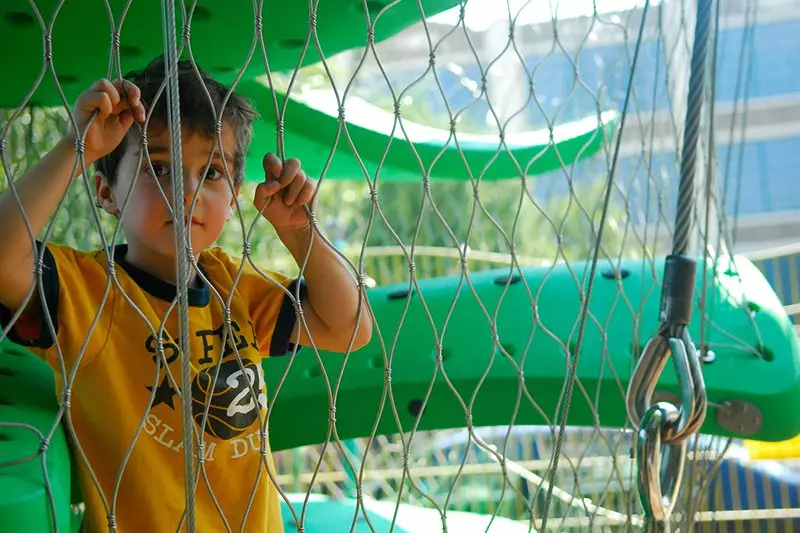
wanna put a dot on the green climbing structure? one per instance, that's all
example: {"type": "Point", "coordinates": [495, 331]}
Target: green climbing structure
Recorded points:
{"type": "Point", "coordinates": [760, 368]}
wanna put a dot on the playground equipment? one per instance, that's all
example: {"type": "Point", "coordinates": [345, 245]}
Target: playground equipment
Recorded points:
{"type": "Point", "coordinates": [459, 354]}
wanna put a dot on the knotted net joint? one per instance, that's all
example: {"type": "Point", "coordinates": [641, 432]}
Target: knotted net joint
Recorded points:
{"type": "Point", "coordinates": [298, 308]}
{"type": "Point", "coordinates": [38, 266]}
{"type": "Point", "coordinates": [412, 268]}
{"type": "Point", "coordinates": [47, 45]}
{"type": "Point", "coordinates": [201, 452]}
{"type": "Point", "coordinates": [262, 449]}
{"type": "Point", "coordinates": [312, 217]}
{"type": "Point", "coordinates": [187, 31]}
{"type": "Point", "coordinates": [387, 374]}
{"type": "Point", "coordinates": [426, 183]}
{"type": "Point", "coordinates": [115, 40]}
{"type": "Point", "coordinates": [312, 20]}
{"type": "Point", "coordinates": [432, 59]}
{"type": "Point", "coordinates": [370, 35]}
{"type": "Point", "coordinates": [332, 414]}
{"type": "Point", "coordinates": [468, 420]}
{"type": "Point", "coordinates": [43, 445]}
{"type": "Point", "coordinates": [246, 249]}
{"type": "Point", "coordinates": [112, 522]}
{"type": "Point", "coordinates": [374, 196]}
{"type": "Point", "coordinates": [453, 125]}
{"type": "Point", "coordinates": [66, 397]}
{"type": "Point", "coordinates": [218, 127]}
{"type": "Point", "coordinates": [3, 145]}
{"type": "Point", "coordinates": [677, 291]}
{"type": "Point", "coordinates": [341, 113]}
{"type": "Point", "coordinates": [397, 109]}
{"type": "Point", "coordinates": [80, 146]}
{"type": "Point", "coordinates": [405, 460]}
{"type": "Point", "coordinates": [110, 266]}
{"type": "Point", "coordinates": [279, 126]}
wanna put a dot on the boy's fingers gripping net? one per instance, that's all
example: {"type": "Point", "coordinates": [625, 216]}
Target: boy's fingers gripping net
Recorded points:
{"type": "Point", "coordinates": [448, 188]}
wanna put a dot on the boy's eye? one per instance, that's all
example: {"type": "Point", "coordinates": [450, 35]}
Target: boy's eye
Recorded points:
{"type": "Point", "coordinates": [214, 174]}
{"type": "Point", "coordinates": [160, 170]}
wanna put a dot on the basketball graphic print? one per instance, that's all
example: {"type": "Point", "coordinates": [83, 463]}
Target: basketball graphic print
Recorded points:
{"type": "Point", "coordinates": [231, 405]}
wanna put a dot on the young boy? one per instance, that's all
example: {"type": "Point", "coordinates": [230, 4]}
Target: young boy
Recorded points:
{"type": "Point", "coordinates": [125, 405]}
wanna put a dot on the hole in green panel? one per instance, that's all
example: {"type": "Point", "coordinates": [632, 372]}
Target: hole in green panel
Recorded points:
{"type": "Point", "coordinates": [753, 307]}
{"type": "Point", "coordinates": [18, 19]}
{"type": "Point", "coordinates": [7, 373]}
{"type": "Point", "coordinates": [67, 79]}
{"type": "Point", "coordinates": [313, 372]}
{"type": "Point", "coordinates": [5, 402]}
{"type": "Point", "coordinates": [616, 274]}
{"type": "Point", "coordinates": [765, 353]}
{"type": "Point", "coordinates": [375, 361]}
{"type": "Point", "coordinates": [291, 44]}
{"type": "Point", "coordinates": [5, 437]}
{"type": "Point", "coordinates": [373, 6]}
{"type": "Point", "coordinates": [201, 14]}
{"type": "Point", "coordinates": [129, 50]}
{"type": "Point", "coordinates": [509, 348]}
{"type": "Point", "coordinates": [400, 294]}
{"type": "Point", "coordinates": [415, 408]}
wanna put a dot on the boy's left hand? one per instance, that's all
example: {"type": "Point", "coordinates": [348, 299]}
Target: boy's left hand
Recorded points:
{"type": "Point", "coordinates": [290, 190]}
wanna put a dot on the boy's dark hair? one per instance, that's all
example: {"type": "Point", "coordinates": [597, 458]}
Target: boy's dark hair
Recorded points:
{"type": "Point", "coordinates": [197, 113]}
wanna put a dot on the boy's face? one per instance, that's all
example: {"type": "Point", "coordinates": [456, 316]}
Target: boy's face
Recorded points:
{"type": "Point", "coordinates": [147, 219]}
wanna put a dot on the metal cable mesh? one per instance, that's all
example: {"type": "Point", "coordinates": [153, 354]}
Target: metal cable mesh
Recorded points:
{"type": "Point", "coordinates": [557, 65]}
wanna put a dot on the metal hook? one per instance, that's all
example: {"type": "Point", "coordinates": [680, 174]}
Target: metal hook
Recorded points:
{"type": "Point", "coordinates": [691, 385]}
{"type": "Point", "coordinates": [659, 465]}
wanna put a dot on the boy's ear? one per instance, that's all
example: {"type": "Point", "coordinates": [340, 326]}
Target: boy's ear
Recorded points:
{"type": "Point", "coordinates": [104, 194]}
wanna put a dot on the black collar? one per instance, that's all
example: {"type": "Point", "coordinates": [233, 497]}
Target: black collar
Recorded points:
{"type": "Point", "coordinates": [198, 296]}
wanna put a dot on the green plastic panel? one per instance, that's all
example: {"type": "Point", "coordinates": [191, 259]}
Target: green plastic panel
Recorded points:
{"type": "Point", "coordinates": [313, 124]}
{"type": "Point", "coordinates": [222, 35]}
{"type": "Point", "coordinates": [378, 137]}
{"type": "Point", "coordinates": [745, 311]}
{"type": "Point", "coordinates": [27, 395]}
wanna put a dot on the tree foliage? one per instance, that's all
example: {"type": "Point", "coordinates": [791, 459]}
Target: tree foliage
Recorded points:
{"type": "Point", "coordinates": [450, 216]}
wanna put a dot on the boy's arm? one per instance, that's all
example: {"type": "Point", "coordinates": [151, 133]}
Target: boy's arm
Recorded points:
{"type": "Point", "coordinates": [42, 186]}
{"type": "Point", "coordinates": [39, 191]}
{"type": "Point", "coordinates": [331, 308]}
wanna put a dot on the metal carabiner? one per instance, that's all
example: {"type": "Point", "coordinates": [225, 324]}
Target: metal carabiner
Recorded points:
{"type": "Point", "coordinates": [643, 382]}
{"type": "Point", "coordinates": [659, 465]}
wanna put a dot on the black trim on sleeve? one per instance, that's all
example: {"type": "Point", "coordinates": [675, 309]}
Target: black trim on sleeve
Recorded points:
{"type": "Point", "coordinates": [51, 293]}
{"type": "Point", "coordinates": [281, 337]}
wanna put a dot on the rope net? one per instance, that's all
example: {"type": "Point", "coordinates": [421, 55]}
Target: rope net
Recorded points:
{"type": "Point", "coordinates": [467, 71]}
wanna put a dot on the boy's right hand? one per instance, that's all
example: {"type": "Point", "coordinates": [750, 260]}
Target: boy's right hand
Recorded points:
{"type": "Point", "coordinates": [114, 117]}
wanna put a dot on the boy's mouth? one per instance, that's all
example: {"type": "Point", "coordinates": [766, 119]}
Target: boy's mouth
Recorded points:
{"type": "Point", "coordinates": [195, 221]}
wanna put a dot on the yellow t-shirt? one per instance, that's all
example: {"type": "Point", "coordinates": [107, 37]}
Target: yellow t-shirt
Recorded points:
{"type": "Point", "coordinates": [119, 371]}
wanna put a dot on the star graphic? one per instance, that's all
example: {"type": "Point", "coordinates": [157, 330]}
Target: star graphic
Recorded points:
{"type": "Point", "coordinates": [164, 393]}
